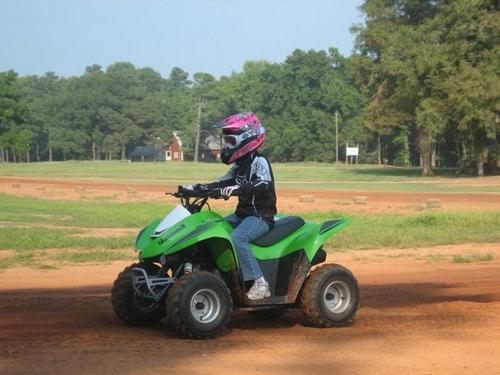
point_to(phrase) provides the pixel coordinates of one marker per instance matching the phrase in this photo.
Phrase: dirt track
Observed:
(416, 318)
(288, 197)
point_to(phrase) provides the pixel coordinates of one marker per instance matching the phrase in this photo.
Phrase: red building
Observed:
(173, 152)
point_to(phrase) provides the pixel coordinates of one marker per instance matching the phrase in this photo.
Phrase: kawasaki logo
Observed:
(169, 236)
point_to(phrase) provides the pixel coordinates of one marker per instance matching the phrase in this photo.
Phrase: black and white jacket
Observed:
(256, 193)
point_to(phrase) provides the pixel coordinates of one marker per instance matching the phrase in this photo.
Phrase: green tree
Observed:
(12, 116)
(470, 39)
(39, 93)
(429, 65)
(389, 47)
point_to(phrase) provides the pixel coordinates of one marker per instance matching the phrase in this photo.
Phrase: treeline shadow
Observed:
(413, 172)
(413, 294)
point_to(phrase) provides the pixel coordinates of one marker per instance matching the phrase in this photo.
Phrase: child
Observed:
(251, 179)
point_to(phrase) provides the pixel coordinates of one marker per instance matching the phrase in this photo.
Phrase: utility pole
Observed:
(379, 150)
(197, 131)
(336, 137)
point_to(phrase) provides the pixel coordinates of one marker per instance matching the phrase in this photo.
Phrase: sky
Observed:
(212, 36)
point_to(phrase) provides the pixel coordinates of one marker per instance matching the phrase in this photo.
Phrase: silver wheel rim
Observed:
(337, 297)
(205, 306)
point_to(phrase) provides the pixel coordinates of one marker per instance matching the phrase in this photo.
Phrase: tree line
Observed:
(422, 87)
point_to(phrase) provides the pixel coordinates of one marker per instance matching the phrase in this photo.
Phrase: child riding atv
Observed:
(251, 179)
(193, 263)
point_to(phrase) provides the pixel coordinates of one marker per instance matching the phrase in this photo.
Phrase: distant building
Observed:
(147, 153)
(166, 152)
(173, 151)
(211, 149)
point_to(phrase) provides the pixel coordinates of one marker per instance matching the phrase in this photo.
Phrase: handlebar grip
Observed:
(200, 193)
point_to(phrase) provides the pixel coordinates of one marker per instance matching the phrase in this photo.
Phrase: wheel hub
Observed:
(205, 306)
(337, 297)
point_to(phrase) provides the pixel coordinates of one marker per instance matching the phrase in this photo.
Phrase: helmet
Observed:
(243, 133)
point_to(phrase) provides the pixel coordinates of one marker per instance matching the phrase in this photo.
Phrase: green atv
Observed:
(188, 271)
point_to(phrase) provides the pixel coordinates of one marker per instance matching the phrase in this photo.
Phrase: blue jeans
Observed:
(247, 230)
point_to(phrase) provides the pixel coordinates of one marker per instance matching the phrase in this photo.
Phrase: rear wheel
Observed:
(199, 305)
(129, 306)
(330, 297)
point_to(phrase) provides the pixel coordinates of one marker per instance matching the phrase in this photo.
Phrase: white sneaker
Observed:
(259, 290)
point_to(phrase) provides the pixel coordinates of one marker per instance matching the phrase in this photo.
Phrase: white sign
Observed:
(352, 151)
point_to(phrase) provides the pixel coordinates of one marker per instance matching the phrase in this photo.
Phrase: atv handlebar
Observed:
(183, 192)
(200, 197)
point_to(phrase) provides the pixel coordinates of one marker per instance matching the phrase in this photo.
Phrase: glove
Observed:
(228, 190)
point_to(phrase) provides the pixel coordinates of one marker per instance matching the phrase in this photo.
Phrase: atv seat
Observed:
(282, 228)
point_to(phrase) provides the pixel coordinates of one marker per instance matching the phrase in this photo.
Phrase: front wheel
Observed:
(131, 307)
(330, 297)
(199, 305)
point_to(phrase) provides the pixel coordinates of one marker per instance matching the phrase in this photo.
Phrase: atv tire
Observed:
(199, 305)
(131, 308)
(330, 297)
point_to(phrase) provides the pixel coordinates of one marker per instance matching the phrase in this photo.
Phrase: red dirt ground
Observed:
(416, 317)
(288, 198)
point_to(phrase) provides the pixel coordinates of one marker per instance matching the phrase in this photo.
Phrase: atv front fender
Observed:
(205, 228)
(216, 235)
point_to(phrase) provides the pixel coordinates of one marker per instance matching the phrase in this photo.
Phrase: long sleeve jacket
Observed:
(256, 193)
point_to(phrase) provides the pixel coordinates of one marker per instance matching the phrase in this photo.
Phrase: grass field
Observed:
(291, 175)
(44, 233)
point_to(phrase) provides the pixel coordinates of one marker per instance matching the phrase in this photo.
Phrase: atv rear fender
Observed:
(329, 228)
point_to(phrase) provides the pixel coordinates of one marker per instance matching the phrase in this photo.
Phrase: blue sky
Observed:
(213, 36)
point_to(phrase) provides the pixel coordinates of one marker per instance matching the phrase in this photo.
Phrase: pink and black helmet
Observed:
(243, 133)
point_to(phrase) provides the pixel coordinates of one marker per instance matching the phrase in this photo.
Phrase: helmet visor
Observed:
(231, 140)
(234, 140)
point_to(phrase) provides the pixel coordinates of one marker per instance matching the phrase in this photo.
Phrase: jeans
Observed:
(248, 229)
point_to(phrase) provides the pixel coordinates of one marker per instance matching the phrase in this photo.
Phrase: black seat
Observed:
(282, 228)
